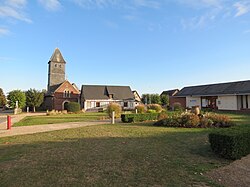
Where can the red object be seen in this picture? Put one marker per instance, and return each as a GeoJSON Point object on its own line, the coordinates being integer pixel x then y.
{"type": "Point", "coordinates": [8, 122]}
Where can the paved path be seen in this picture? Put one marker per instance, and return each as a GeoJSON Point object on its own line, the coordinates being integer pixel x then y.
{"type": "Point", "coordinates": [46, 128]}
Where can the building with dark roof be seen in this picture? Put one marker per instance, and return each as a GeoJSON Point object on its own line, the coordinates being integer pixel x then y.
{"type": "Point", "coordinates": [222, 96]}
{"type": "Point", "coordinates": [170, 92]}
{"type": "Point", "coordinates": [98, 97]}
{"type": "Point", "coordinates": [60, 91]}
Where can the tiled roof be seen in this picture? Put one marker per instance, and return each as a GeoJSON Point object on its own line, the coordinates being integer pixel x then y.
{"type": "Point", "coordinates": [101, 92]}
{"type": "Point", "coordinates": [231, 88]}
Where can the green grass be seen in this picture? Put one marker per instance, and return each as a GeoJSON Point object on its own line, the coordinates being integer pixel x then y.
{"type": "Point", "coordinates": [61, 118]}
{"type": "Point", "coordinates": [110, 155]}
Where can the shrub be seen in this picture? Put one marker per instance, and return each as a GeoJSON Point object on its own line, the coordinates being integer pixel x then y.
{"type": "Point", "coordinates": [141, 109]}
{"type": "Point", "coordinates": [177, 106]}
{"type": "Point", "coordinates": [155, 107]}
{"type": "Point", "coordinates": [162, 115]}
{"type": "Point", "coordinates": [116, 108]}
{"type": "Point", "coordinates": [131, 118]}
{"type": "Point", "coordinates": [151, 111]}
{"type": "Point", "coordinates": [190, 120]}
{"type": "Point", "coordinates": [219, 120]}
{"type": "Point", "coordinates": [232, 143]}
{"type": "Point", "coordinates": [73, 107]}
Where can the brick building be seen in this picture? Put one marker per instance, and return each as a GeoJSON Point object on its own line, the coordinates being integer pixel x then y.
{"type": "Point", "coordinates": [59, 90]}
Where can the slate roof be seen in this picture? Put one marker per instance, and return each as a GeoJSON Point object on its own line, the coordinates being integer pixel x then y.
{"type": "Point", "coordinates": [57, 57]}
{"type": "Point", "coordinates": [170, 92]}
{"type": "Point", "coordinates": [101, 92]}
{"type": "Point", "coordinates": [231, 88]}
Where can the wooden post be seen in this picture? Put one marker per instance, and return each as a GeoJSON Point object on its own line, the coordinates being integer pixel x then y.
{"type": "Point", "coordinates": [136, 111]}
{"type": "Point", "coordinates": [113, 117]}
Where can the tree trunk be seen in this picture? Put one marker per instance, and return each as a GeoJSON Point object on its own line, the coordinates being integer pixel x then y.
{"type": "Point", "coordinates": [34, 109]}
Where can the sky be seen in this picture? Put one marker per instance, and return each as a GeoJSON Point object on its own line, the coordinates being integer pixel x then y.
{"type": "Point", "coordinates": [150, 45]}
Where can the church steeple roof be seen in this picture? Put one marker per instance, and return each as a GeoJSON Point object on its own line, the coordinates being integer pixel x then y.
{"type": "Point", "coordinates": [57, 57]}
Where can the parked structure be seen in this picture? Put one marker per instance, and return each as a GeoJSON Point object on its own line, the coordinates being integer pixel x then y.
{"type": "Point", "coordinates": [60, 91]}
{"type": "Point", "coordinates": [223, 96]}
{"type": "Point", "coordinates": [137, 97]}
{"type": "Point", "coordinates": [98, 97]}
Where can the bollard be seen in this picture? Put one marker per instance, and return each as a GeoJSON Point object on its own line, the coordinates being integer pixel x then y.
{"type": "Point", "coordinates": [8, 122]}
{"type": "Point", "coordinates": [113, 117]}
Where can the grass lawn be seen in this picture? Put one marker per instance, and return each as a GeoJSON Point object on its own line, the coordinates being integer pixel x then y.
{"type": "Point", "coordinates": [61, 118]}
{"type": "Point", "coordinates": [109, 155]}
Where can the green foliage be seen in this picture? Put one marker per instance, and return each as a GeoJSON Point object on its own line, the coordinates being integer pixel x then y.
{"type": "Point", "coordinates": [164, 100]}
{"type": "Point", "coordinates": [163, 115]}
{"type": "Point", "coordinates": [2, 98]}
{"type": "Point", "coordinates": [132, 118]}
{"type": "Point", "coordinates": [232, 143]}
{"type": "Point", "coordinates": [74, 107]}
{"type": "Point", "coordinates": [34, 98]}
{"type": "Point", "coordinates": [190, 120]}
{"type": "Point", "coordinates": [141, 109]}
{"type": "Point", "coordinates": [116, 108]}
{"type": "Point", "coordinates": [16, 95]}
{"type": "Point", "coordinates": [177, 107]}
{"type": "Point", "coordinates": [155, 107]}
{"type": "Point", "coordinates": [151, 99]}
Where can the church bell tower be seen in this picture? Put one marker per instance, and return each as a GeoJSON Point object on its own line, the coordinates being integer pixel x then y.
{"type": "Point", "coordinates": [56, 72]}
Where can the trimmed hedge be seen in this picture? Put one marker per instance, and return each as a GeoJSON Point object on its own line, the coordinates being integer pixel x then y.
{"type": "Point", "coordinates": [73, 107]}
{"type": "Point", "coordinates": [232, 143]}
{"type": "Point", "coordinates": [131, 118]}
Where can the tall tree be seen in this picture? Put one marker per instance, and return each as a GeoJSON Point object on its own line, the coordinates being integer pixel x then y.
{"type": "Point", "coordinates": [2, 98]}
{"type": "Point", "coordinates": [155, 99]}
{"type": "Point", "coordinates": [34, 98]}
{"type": "Point", "coordinates": [165, 100]}
{"type": "Point", "coordinates": [16, 95]}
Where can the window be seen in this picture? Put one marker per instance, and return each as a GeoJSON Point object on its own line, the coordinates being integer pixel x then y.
{"type": "Point", "coordinates": [60, 66]}
{"type": "Point", "coordinates": [55, 65]}
{"type": "Point", "coordinates": [111, 96]}
{"type": "Point", "coordinates": [98, 104]}
{"type": "Point", "coordinates": [66, 94]}
{"type": "Point", "coordinates": [125, 104]}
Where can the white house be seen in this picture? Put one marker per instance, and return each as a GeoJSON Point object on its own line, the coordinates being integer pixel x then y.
{"type": "Point", "coordinates": [222, 96]}
{"type": "Point", "coordinates": [98, 97]}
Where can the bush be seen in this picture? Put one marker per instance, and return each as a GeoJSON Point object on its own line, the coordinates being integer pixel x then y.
{"type": "Point", "coordinates": [141, 109]}
{"type": "Point", "coordinates": [155, 107]}
{"type": "Point", "coordinates": [162, 115]}
{"type": "Point", "coordinates": [131, 118]}
{"type": "Point", "coordinates": [177, 107]}
{"type": "Point", "coordinates": [190, 120]}
{"type": "Point", "coordinates": [151, 111]}
{"type": "Point", "coordinates": [116, 108]}
{"type": "Point", "coordinates": [233, 143]}
{"type": "Point", "coordinates": [73, 107]}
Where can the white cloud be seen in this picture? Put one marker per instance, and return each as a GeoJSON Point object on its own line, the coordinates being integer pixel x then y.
{"type": "Point", "coordinates": [4, 31]}
{"type": "Point", "coordinates": [242, 8]}
{"type": "Point", "coordinates": [11, 12]}
{"type": "Point", "coordinates": [51, 5]}
{"type": "Point", "coordinates": [16, 3]}
{"type": "Point", "coordinates": [147, 3]}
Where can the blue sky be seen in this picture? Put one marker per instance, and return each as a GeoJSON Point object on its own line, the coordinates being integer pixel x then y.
{"type": "Point", "coordinates": [150, 45]}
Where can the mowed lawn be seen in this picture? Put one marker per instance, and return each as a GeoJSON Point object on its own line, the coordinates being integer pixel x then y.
{"type": "Point", "coordinates": [109, 155]}
{"type": "Point", "coordinates": [61, 118]}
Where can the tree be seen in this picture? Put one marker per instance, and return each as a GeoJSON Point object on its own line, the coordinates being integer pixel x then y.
{"type": "Point", "coordinates": [165, 100]}
{"type": "Point", "coordinates": [155, 99]}
{"type": "Point", "coordinates": [16, 95]}
{"type": "Point", "coordinates": [2, 98]}
{"type": "Point", "coordinates": [34, 98]}
{"type": "Point", "coordinates": [146, 99]}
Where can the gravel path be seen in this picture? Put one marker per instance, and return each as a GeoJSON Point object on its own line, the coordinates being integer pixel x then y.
{"type": "Point", "coordinates": [46, 128]}
{"type": "Point", "coordinates": [237, 174]}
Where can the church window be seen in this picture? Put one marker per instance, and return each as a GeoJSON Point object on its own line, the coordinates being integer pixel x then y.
{"type": "Point", "coordinates": [55, 65]}
{"type": "Point", "coordinates": [68, 94]}
{"type": "Point", "coordinates": [65, 94]}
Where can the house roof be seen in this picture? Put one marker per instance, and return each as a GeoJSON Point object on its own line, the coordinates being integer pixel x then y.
{"type": "Point", "coordinates": [170, 92]}
{"type": "Point", "coordinates": [54, 88]}
{"type": "Point", "coordinates": [57, 57]}
{"type": "Point", "coordinates": [102, 92]}
{"type": "Point", "coordinates": [231, 88]}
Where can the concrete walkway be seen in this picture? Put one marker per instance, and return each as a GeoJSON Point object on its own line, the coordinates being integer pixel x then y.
{"type": "Point", "coordinates": [46, 128]}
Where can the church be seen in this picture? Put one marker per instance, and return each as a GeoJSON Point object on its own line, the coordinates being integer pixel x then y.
{"type": "Point", "coordinates": [60, 91]}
